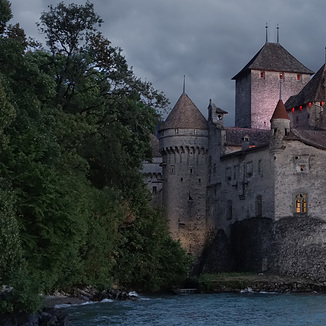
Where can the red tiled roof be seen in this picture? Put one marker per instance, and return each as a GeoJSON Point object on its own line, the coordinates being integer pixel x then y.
{"type": "Point", "coordinates": [280, 112]}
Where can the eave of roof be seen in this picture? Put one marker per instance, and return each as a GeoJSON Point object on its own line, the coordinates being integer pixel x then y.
{"type": "Point", "coordinates": [245, 151]}
{"type": "Point", "coordinates": [315, 138]}
{"type": "Point", "coordinates": [314, 91]}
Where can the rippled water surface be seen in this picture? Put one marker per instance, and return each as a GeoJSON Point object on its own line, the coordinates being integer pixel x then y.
{"type": "Point", "coordinates": [206, 309]}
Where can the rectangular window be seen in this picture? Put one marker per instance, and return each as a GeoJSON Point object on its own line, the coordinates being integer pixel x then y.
{"type": "Point", "coordinates": [298, 77]}
{"type": "Point", "coordinates": [262, 75]}
{"type": "Point", "coordinates": [281, 75]}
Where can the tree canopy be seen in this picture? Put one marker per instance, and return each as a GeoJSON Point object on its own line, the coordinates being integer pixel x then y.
{"type": "Point", "coordinates": [75, 124]}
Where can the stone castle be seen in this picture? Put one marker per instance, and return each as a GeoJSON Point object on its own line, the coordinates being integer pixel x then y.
{"type": "Point", "coordinates": [250, 197]}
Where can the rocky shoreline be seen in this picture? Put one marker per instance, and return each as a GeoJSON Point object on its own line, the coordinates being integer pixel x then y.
{"type": "Point", "coordinates": [51, 316]}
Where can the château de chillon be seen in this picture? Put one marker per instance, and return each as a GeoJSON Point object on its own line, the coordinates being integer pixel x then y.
{"type": "Point", "coordinates": [250, 197]}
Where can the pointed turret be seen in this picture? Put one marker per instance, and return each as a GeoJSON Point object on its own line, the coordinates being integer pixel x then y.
{"type": "Point", "coordinates": [185, 115]}
{"type": "Point", "coordinates": [280, 122]}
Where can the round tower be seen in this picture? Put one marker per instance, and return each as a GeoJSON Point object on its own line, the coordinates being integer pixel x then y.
{"type": "Point", "coordinates": [183, 141]}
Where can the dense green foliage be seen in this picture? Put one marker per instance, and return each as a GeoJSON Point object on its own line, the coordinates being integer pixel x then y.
{"type": "Point", "coordinates": [74, 130]}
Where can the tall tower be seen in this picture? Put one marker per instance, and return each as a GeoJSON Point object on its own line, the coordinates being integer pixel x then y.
{"type": "Point", "coordinates": [258, 84]}
{"type": "Point", "coordinates": [183, 144]}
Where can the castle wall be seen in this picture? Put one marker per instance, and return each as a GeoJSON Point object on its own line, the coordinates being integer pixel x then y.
{"type": "Point", "coordinates": [293, 242]}
{"type": "Point", "coordinates": [298, 170]}
{"type": "Point", "coordinates": [153, 178]}
{"type": "Point", "coordinates": [247, 186]}
{"type": "Point", "coordinates": [310, 115]}
{"type": "Point", "coordinates": [257, 93]}
{"type": "Point", "coordinates": [265, 92]}
{"type": "Point", "coordinates": [184, 153]}
{"type": "Point", "coordinates": [243, 102]}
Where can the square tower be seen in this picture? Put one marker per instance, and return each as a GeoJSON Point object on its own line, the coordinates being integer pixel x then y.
{"type": "Point", "coordinates": [258, 85]}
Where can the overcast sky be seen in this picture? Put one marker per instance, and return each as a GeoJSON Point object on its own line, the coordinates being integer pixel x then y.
{"type": "Point", "coordinates": [209, 41]}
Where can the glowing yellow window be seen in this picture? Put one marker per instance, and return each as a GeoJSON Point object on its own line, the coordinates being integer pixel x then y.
{"type": "Point", "coordinates": [301, 203]}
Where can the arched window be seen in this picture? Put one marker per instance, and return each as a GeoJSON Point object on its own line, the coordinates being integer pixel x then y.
{"type": "Point", "coordinates": [301, 203]}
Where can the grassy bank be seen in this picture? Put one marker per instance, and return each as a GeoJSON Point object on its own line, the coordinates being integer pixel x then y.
{"type": "Point", "coordinates": [237, 282]}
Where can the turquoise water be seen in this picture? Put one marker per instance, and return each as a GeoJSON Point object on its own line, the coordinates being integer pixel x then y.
{"type": "Point", "coordinates": [206, 309]}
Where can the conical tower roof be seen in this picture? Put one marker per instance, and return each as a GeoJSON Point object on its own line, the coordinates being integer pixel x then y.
{"type": "Point", "coordinates": [185, 115]}
{"type": "Point", "coordinates": [280, 112]}
{"type": "Point", "coordinates": [273, 57]}
{"type": "Point", "coordinates": [314, 91]}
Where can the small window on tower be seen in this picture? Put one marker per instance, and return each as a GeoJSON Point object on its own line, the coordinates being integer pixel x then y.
{"type": "Point", "coordinates": [298, 77]}
{"type": "Point", "coordinates": [262, 75]}
{"type": "Point", "coordinates": [281, 75]}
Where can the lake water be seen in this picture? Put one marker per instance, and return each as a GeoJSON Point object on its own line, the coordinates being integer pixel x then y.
{"type": "Point", "coordinates": [206, 309]}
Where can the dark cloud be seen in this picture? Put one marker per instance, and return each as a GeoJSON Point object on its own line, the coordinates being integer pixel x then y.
{"type": "Point", "coordinates": [209, 41]}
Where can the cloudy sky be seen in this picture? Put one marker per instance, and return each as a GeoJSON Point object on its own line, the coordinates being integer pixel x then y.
{"type": "Point", "coordinates": [209, 41]}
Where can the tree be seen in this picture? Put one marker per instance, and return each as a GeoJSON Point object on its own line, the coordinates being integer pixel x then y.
{"type": "Point", "coordinates": [74, 130]}
{"type": "Point", "coordinates": [5, 14]}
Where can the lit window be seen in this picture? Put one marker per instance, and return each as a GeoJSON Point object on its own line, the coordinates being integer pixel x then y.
{"type": "Point", "coordinates": [301, 203]}
{"type": "Point", "coordinates": [309, 104]}
{"type": "Point", "coordinates": [261, 74]}
{"type": "Point", "coordinates": [298, 77]}
{"type": "Point", "coordinates": [281, 75]}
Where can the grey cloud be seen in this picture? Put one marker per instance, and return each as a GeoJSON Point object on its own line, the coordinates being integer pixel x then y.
{"type": "Point", "coordinates": [209, 41]}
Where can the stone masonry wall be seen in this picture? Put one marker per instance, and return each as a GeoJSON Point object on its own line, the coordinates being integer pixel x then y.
{"type": "Point", "coordinates": [293, 246]}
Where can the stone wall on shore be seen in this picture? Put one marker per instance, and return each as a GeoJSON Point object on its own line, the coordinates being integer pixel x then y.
{"type": "Point", "coordinates": [293, 246]}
